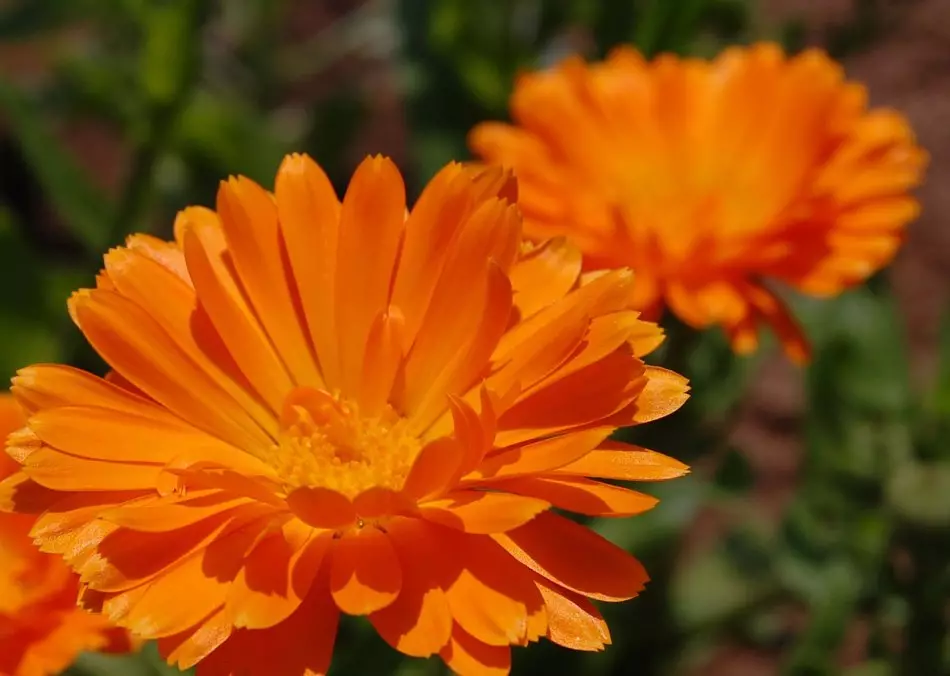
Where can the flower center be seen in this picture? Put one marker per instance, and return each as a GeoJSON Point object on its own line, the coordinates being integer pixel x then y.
{"type": "Point", "coordinates": [325, 442]}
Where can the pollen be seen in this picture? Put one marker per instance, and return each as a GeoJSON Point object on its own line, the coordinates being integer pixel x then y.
{"type": "Point", "coordinates": [325, 442]}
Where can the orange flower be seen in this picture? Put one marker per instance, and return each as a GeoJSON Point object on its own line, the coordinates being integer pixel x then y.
{"type": "Point", "coordinates": [706, 177]}
{"type": "Point", "coordinates": [320, 407]}
{"type": "Point", "coordinates": [41, 629]}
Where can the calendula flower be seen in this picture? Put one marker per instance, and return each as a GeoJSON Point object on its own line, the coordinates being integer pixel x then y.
{"type": "Point", "coordinates": [41, 628]}
{"type": "Point", "coordinates": [320, 407]}
{"type": "Point", "coordinates": [708, 177]}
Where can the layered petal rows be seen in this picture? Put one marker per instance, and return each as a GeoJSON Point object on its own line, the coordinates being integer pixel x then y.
{"type": "Point", "coordinates": [41, 628]}
{"type": "Point", "coordinates": [320, 406]}
{"type": "Point", "coordinates": [707, 177]}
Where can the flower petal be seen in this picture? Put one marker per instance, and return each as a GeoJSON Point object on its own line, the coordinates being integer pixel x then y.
{"type": "Point", "coordinates": [545, 275]}
{"type": "Point", "coordinates": [581, 495]}
{"type": "Point", "coordinates": [309, 213]}
{"type": "Point", "coordinates": [540, 456]}
{"type": "Point", "coordinates": [222, 297]}
{"type": "Point", "coordinates": [467, 656]}
{"type": "Point", "coordinates": [277, 575]}
{"type": "Point", "coordinates": [434, 468]}
{"type": "Point", "coordinates": [365, 575]}
{"type": "Point", "coordinates": [573, 621]}
{"type": "Point", "coordinates": [248, 217]}
{"type": "Point", "coordinates": [492, 596]}
{"type": "Point", "coordinates": [481, 512]}
{"type": "Point", "coordinates": [418, 622]}
{"type": "Point", "coordinates": [626, 462]}
{"type": "Point", "coordinates": [372, 220]}
{"type": "Point", "coordinates": [663, 394]}
{"type": "Point", "coordinates": [575, 558]}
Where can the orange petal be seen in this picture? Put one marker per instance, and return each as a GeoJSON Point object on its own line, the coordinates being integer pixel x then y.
{"type": "Point", "coordinates": [102, 434]}
{"type": "Point", "coordinates": [385, 350]}
{"type": "Point", "coordinates": [545, 275]}
{"type": "Point", "coordinates": [434, 222]}
{"type": "Point", "coordinates": [419, 621]}
{"type": "Point", "coordinates": [171, 300]}
{"type": "Point", "coordinates": [229, 310]}
{"type": "Point", "coordinates": [302, 644]}
{"type": "Point", "coordinates": [467, 314]}
{"type": "Point", "coordinates": [309, 214]}
{"type": "Point", "coordinates": [486, 316]}
{"type": "Point", "coordinates": [575, 558]}
{"type": "Point", "coordinates": [617, 460]}
{"type": "Point", "coordinates": [371, 227]}
{"type": "Point", "coordinates": [467, 656]}
{"type": "Point", "coordinates": [51, 385]}
{"type": "Point", "coordinates": [365, 575]}
{"type": "Point", "coordinates": [162, 514]}
{"type": "Point", "coordinates": [248, 215]}
{"type": "Point", "coordinates": [773, 311]}
{"type": "Point", "coordinates": [160, 610]}
{"type": "Point", "coordinates": [583, 398]}
{"type": "Point", "coordinates": [322, 507]}
{"type": "Point", "coordinates": [492, 596]}
{"type": "Point", "coordinates": [124, 558]}
{"type": "Point", "coordinates": [186, 649]}
{"type": "Point", "coordinates": [137, 347]}
{"type": "Point", "coordinates": [276, 577]}
{"type": "Point", "coordinates": [64, 472]}
{"type": "Point", "coordinates": [573, 621]}
{"type": "Point", "coordinates": [540, 456]}
{"type": "Point", "coordinates": [663, 394]}
{"type": "Point", "coordinates": [433, 469]}
{"type": "Point", "coordinates": [481, 512]}
{"type": "Point", "coordinates": [581, 495]}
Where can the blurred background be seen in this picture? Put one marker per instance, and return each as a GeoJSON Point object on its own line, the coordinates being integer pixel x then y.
{"type": "Point", "coordinates": [813, 536]}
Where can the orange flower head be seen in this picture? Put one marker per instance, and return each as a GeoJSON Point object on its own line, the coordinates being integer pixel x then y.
{"type": "Point", "coordinates": [707, 177]}
{"type": "Point", "coordinates": [320, 407]}
{"type": "Point", "coordinates": [41, 628]}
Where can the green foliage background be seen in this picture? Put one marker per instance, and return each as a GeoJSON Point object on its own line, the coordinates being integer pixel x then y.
{"type": "Point", "coordinates": [192, 91]}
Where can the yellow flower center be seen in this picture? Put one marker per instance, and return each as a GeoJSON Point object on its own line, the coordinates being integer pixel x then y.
{"type": "Point", "coordinates": [325, 442]}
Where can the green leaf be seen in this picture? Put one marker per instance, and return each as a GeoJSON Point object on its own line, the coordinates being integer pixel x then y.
{"type": "Point", "coordinates": [712, 590]}
{"type": "Point", "coordinates": [166, 57]}
{"type": "Point", "coordinates": [82, 207]}
{"type": "Point", "coordinates": [920, 493]}
{"type": "Point", "coordinates": [145, 663]}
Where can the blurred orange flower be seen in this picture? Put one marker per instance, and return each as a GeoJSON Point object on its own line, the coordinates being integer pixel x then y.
{"type": "Point", "coordinates": [41, 628]}
{"type": "Point", "coordinates": [706, 177]}
{"type": "Point", "coordinates": [320, 407]}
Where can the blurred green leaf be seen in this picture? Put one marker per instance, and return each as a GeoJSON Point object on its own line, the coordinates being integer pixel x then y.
{"type": "Point", "coordinates": [26, 330]}
{"type": "Point", "coordinates": [875, 668]}
{"type": "Point", "coordinates": [832, 606]}
{"type": "Point", "coordinates": [165, 57]}
{"type": "Point", "coordinates": [711, 591]}
{"type": "Point", "coordinates": [147, 662]}
{"type": "Point", "coordinates": [80, 204]}
{"type": "Point", "coordinates": [920, 493]}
